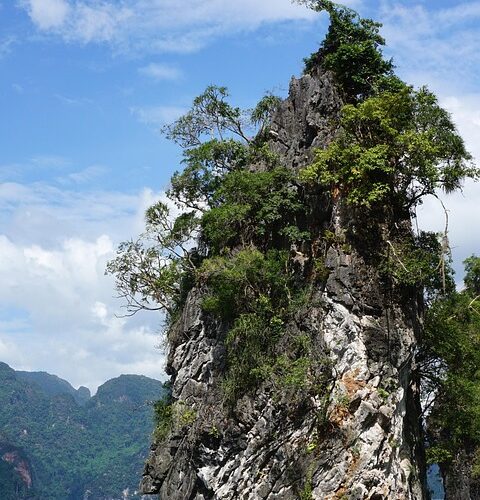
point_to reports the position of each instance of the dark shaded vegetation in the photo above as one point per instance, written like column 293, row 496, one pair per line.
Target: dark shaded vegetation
column 450, row 363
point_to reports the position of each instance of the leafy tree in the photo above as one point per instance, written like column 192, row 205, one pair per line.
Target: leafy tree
column 215, row 195
column 352, row 50
column 150, row 272
column 396, row 148
column 472, row 275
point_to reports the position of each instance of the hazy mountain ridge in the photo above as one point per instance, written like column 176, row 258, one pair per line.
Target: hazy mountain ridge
column 53, row 447
column 54, row 385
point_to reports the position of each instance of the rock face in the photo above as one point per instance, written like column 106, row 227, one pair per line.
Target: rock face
column 16, row 474
column 359, row 439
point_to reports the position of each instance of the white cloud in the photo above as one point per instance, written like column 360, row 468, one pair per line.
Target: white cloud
column 48, row 14
column 463, row 220
column 160, row 72
column 59, row 311
column 465, row 109
column 157, row 25
column 437, row 46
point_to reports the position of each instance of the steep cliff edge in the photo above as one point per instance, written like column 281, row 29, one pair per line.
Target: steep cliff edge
column 357, row 437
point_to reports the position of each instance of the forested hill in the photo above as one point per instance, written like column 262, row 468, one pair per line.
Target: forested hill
column 60, row 443
column 53, row 385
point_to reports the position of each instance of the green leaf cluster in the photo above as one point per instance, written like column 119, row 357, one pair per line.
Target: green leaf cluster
column 163, row 418
column 251, row 291
column 247, row 281
column 254, row 207
column 420, row 263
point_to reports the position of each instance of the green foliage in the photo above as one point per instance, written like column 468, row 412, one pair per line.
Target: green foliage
column 163, row 418
column 449, row 365
column 258, row 207
column 211, row 116
column 205, row 165
column 262, row 113
column 352, row 50
column 420, row 263
column 307, row 492
column 384, row 394
column 12, row 484
column 396, row 148
column 476, row 464
column 221, row 201
column 472, row 275
column 256, row 295
column 187, row 417
column 292, row 374
column 247, row 281
column 150, row 272
column 170, row 415
column 250, row 345
column 438, row 455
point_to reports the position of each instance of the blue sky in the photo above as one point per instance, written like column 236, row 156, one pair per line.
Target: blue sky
column 85, row 87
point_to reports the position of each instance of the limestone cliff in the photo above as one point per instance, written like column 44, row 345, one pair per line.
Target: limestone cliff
column 358, row 439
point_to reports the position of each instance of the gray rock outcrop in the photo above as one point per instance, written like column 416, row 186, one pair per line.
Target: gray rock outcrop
column 360, row 438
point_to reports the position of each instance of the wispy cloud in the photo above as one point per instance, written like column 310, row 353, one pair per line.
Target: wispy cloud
column 439, row 45
column 86, row 175
column 48, row 14
column 50, row 161
column 157, row 115
column 6, row 45
column 159, row 72
column 18, row 88
column 156, row 25
column 71, row 101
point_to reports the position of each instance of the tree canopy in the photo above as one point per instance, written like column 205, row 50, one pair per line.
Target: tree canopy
column 394, row 147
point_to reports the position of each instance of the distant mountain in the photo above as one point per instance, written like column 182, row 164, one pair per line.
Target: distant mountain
column 57, row 444
column 53, row 385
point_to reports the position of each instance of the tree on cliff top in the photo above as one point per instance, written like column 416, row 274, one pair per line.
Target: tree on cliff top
column 352, row 49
